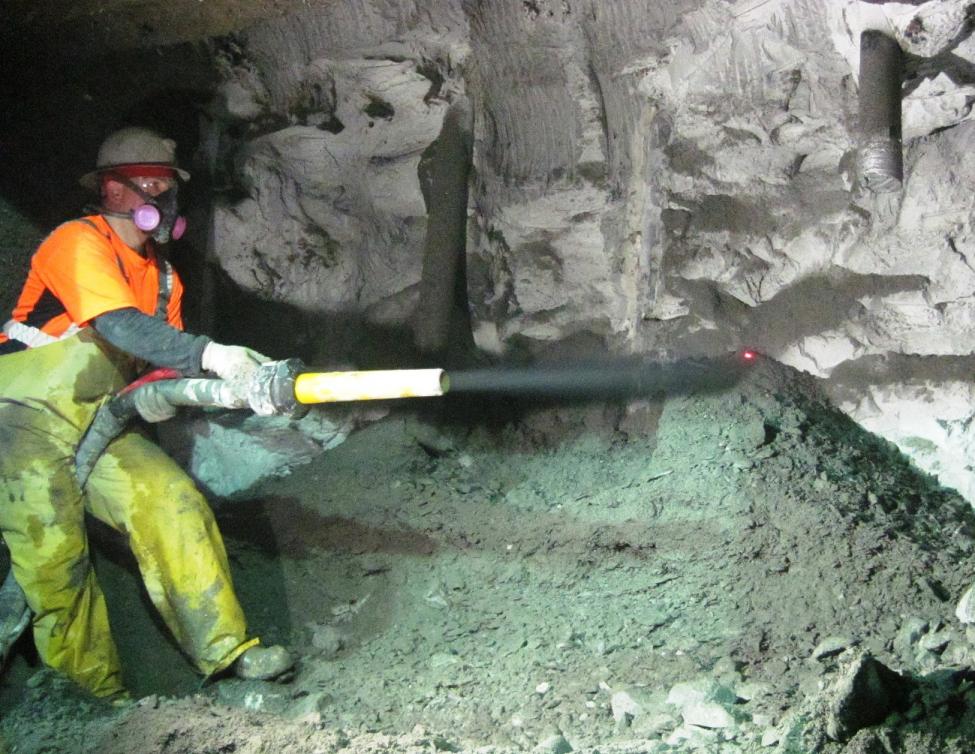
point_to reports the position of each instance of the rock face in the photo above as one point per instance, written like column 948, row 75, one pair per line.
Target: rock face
column 336, row 118
column 645, row 177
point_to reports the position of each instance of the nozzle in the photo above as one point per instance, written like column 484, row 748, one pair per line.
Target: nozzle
column 381, row 384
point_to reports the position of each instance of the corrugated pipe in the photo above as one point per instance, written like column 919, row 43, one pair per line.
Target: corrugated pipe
column 880, row 159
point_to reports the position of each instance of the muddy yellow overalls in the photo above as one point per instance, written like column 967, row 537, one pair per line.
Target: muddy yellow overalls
column 48, row 396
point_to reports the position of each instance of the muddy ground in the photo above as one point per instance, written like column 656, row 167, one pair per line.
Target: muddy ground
column 741, row 570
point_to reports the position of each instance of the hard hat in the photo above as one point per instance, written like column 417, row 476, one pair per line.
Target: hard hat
column 133, row 146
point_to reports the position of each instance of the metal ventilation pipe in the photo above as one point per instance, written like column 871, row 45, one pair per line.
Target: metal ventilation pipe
column 880, row 160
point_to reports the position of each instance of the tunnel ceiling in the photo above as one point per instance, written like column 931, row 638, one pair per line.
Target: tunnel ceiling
column 91, row 27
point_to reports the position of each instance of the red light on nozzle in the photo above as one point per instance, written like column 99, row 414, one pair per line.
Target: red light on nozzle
column 749, row 355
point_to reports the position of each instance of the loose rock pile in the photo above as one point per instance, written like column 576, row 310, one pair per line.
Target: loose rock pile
column 734, row 571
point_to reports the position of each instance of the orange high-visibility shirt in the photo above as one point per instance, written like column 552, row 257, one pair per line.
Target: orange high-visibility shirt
column 83, row 269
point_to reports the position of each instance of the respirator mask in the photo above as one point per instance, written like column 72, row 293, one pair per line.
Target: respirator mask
column 157, row 215
column 160, row 217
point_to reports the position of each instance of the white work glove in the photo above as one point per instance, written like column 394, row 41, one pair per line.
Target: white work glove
column 151, row 405
column 237, row 366
column 232, row 363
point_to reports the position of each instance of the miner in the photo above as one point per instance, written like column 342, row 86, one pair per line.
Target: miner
column 99, row 304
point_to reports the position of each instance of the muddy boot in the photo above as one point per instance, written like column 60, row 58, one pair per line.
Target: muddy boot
column 121, row 700
column 263, row 663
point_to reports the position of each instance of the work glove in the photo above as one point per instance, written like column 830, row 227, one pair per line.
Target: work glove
column 231, row 363
column 238, row 367
column 151, row 404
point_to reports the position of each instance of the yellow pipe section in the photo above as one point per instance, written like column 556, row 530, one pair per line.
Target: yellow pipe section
column 382, row 384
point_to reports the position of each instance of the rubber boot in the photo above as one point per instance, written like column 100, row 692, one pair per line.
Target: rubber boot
column 263, row 663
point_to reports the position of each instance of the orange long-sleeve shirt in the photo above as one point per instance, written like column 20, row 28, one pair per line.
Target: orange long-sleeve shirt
column 83, row 269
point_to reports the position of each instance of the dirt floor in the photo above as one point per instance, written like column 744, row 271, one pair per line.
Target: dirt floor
column 733, row 571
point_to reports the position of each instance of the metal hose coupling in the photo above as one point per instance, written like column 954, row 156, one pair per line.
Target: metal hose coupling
column 272, row 389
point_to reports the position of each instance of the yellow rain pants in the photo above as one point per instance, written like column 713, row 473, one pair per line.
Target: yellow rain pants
column 48, row 396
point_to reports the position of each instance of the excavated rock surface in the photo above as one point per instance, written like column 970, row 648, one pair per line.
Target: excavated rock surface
column 645, row 176
column 696, row 573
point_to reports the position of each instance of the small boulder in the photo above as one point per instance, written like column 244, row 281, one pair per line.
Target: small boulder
column 831, row 646
column 623, row 705
column 866, row 692
column 965, row 612
column 701, row 690
column 707, row 715
column 553, row 743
